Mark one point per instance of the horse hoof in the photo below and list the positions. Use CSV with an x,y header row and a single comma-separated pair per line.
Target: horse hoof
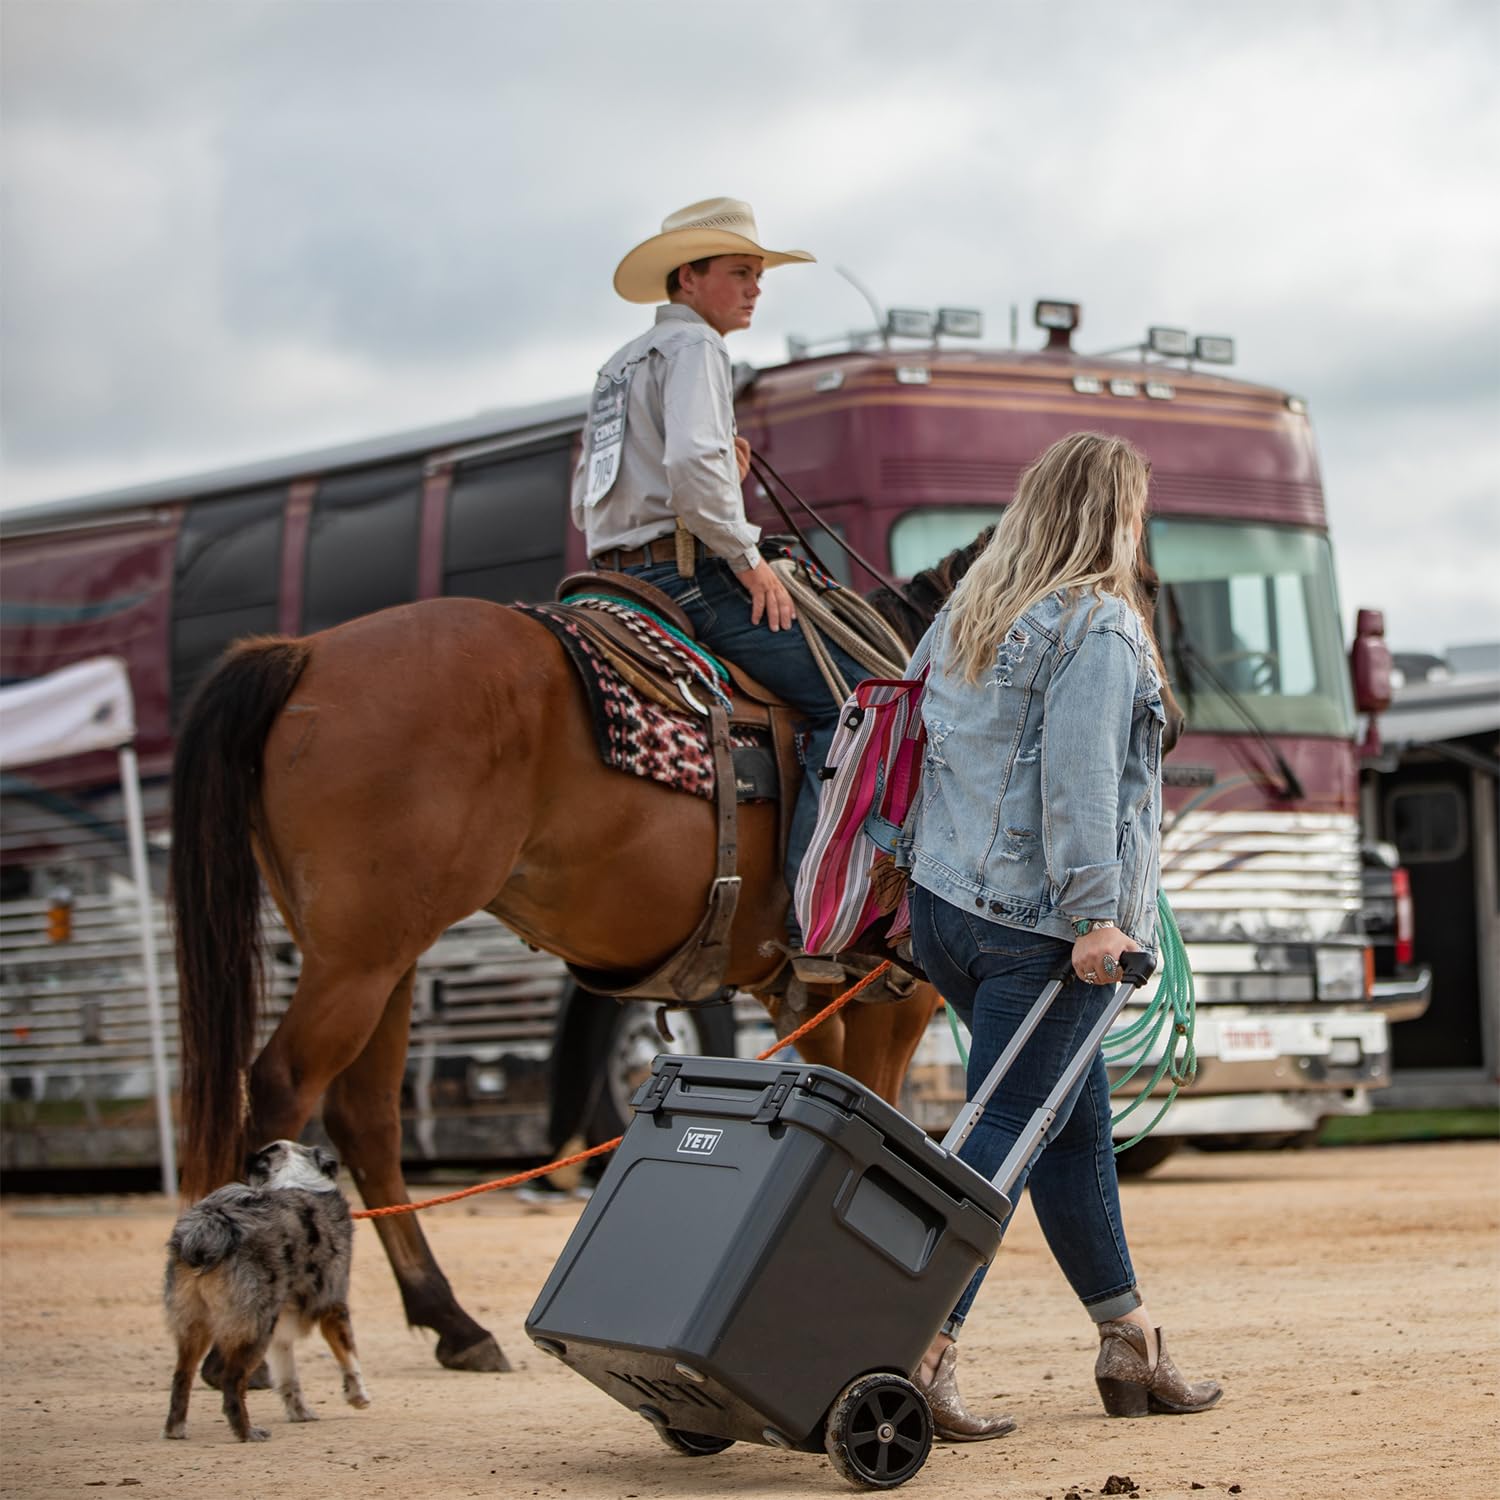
x,y
485,1356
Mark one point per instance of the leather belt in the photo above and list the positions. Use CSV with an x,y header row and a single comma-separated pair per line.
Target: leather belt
x,y
658,550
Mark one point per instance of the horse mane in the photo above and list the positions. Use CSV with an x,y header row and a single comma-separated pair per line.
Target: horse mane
x,y
915,607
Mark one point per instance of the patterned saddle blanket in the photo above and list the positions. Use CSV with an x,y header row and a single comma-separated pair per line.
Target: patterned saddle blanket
x,y
634,674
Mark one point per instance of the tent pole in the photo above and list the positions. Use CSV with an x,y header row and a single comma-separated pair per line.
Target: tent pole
x,y
135,823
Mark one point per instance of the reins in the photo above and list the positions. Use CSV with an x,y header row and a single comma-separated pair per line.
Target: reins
x,y
766,474
567,1161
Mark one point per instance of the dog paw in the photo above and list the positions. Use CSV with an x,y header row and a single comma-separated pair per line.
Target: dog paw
x,y
302,1414
256,1435
174,1430
355,1393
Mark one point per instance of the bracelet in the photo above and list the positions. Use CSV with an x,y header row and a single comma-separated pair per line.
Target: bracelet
x,y
1086,925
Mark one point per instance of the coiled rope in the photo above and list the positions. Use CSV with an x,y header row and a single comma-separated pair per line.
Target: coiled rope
x,y
1174,1004
826,609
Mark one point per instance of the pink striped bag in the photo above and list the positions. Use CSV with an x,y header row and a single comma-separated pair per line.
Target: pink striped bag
x,y
869,784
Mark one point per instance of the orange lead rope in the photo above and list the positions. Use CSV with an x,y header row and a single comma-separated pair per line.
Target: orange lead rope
x,y
608,1146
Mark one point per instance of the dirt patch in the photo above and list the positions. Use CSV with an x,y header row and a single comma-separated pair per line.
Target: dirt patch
x,y
1346,1299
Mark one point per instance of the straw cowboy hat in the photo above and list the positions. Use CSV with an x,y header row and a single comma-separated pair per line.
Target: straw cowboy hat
x,y
717,226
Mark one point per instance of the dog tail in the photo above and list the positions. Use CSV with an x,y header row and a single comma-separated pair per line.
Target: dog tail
x,y
209,1232
216,801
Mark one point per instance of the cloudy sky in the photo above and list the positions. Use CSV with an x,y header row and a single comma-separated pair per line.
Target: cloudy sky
x,y
240,229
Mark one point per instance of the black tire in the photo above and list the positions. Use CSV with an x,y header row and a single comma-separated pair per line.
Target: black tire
x,y
1145,1156
879,1432
692,1444
628,1043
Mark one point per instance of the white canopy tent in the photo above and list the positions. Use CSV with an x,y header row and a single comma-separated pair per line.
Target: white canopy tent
x,y
85,707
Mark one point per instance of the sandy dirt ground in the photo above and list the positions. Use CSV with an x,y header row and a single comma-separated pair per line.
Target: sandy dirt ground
x,y
1346,1298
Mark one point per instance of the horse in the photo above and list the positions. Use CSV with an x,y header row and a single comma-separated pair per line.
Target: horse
x,y
384,779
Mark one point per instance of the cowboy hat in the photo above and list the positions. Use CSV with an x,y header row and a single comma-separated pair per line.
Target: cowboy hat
x,y
716,226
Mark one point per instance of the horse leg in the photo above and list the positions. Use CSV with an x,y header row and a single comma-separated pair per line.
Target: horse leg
x,y
879,1041
362,1113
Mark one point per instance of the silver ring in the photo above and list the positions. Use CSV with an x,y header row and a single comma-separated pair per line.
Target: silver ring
x,y
1090,977
1110,966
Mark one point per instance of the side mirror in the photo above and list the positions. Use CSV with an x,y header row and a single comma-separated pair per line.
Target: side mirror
x,y
1370,663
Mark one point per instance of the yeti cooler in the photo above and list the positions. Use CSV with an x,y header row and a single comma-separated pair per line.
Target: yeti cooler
x,y
765,1234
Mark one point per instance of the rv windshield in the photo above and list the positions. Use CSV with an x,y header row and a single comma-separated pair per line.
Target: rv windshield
x,y
1251,612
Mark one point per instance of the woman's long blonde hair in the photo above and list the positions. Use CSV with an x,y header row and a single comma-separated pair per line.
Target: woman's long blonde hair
x,y
1071,526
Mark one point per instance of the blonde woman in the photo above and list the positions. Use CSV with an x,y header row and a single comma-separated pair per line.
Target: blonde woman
x,y
1037,834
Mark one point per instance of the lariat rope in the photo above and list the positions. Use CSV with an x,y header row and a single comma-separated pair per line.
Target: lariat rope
x,y
608,1146
1131,1047
826,611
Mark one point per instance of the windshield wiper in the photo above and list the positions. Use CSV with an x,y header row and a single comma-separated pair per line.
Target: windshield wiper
x,y
1189,661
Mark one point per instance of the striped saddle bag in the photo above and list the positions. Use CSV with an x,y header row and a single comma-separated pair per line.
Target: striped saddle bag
x,y
848,878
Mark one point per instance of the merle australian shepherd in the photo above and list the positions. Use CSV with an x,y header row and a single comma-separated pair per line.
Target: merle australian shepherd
x,y
255,1266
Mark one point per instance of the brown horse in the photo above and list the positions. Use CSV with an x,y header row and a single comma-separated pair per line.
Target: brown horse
x,y
387,778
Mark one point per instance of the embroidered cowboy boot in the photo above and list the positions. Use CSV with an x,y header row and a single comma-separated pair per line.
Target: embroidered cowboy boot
x,y
1130,1386
951,1419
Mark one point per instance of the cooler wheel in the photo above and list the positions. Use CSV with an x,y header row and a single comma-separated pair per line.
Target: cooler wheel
x,y
693,1444
879,1431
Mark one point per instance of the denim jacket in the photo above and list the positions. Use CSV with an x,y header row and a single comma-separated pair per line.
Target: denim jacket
x,y
1041,788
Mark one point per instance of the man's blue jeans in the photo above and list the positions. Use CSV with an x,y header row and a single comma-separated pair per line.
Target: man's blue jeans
x,y
719,608
990,974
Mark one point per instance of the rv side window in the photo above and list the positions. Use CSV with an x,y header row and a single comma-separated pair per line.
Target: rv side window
x,y
507,521
1427,823
226,580
362,544
921,538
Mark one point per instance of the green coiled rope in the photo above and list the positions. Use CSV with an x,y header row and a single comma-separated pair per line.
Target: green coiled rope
x,y
1168,1014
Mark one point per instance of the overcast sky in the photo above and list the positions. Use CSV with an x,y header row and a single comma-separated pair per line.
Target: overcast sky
x,y
238,229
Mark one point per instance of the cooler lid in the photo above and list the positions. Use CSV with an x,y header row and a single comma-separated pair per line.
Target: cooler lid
x,y
729,1076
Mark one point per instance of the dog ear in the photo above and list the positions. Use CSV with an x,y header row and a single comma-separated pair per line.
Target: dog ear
x,y
327,1163
256,1167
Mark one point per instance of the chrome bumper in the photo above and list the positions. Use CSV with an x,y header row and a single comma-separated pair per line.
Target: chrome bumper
x,y
1403,999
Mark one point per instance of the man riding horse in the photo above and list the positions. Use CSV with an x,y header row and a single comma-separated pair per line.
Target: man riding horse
x,y
657,489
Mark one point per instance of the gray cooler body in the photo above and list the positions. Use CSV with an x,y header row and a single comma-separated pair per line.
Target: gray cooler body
x,y
765,1234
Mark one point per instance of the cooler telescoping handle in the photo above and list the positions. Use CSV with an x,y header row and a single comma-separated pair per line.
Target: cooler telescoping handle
x,y
1136,968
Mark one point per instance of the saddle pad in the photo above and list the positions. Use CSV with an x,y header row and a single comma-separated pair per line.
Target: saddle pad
x,y
642,738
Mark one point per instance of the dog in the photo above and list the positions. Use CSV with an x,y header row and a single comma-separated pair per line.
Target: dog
x,y
253,1267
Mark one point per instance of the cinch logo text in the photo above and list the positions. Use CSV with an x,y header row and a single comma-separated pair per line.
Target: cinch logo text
x,y
699,1142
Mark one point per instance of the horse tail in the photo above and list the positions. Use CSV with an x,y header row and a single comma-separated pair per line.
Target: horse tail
x,y
216,802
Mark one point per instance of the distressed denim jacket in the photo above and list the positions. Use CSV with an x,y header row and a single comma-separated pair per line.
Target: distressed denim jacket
x,y
1041,789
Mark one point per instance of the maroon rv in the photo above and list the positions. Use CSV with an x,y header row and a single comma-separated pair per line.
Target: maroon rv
x,y
907,452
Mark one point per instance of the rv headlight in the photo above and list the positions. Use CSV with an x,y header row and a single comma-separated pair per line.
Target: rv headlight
x,y
909,323
486,1080
1341,973
1172,342
1210,349
1063,315
961,322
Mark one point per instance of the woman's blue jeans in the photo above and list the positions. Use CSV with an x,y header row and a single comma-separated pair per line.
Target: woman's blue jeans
x,y
719,608
991,974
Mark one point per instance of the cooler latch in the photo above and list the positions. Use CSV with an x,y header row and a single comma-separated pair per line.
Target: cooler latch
x,y
775,1096
654,1092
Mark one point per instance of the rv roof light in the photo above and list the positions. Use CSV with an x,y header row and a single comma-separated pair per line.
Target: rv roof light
x,y
1059,315
1118,387
910,323
961,322
828,380
913,375
1173,342
1159,390
1296,405
1087,385
1211,349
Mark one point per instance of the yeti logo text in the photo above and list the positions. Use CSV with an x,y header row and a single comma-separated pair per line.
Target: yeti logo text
x,y
699,1142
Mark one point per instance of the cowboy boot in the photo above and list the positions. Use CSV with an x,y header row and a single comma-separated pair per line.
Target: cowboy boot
x,y
951,1419
1130,1386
